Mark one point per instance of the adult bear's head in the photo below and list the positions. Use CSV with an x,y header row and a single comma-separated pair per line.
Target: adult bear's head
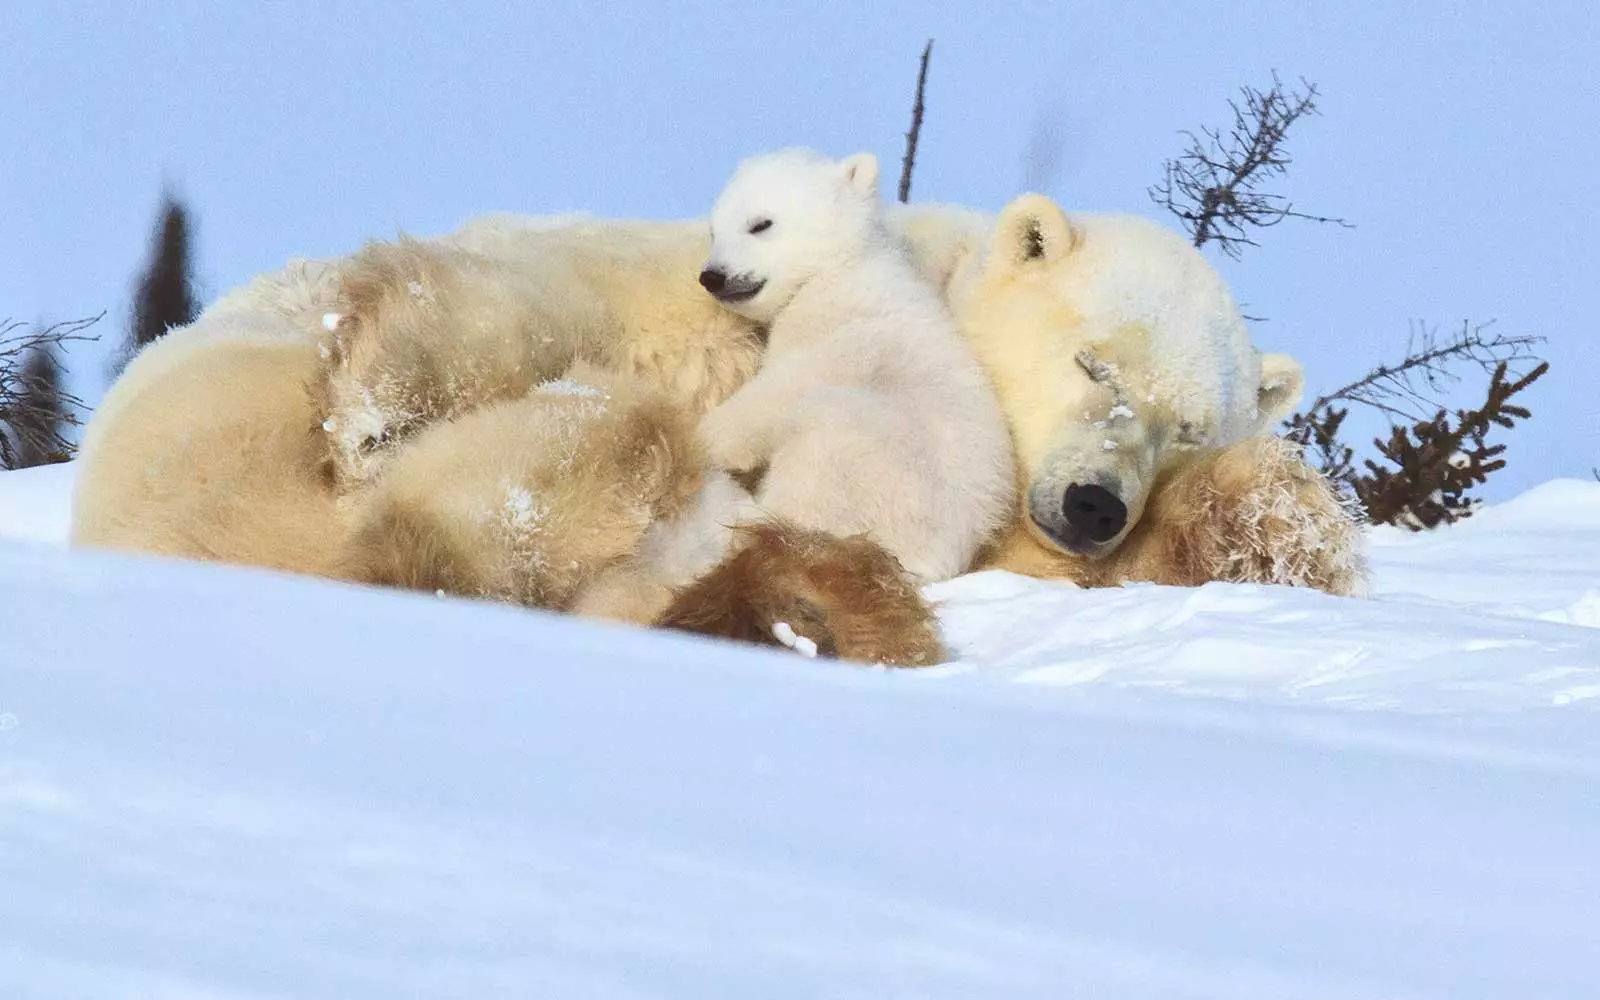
x,y
1116,350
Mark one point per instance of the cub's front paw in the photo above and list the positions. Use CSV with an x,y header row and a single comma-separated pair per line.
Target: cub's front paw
x,y
727,445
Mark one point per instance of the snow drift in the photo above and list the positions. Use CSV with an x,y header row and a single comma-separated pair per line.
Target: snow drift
x,y
225,782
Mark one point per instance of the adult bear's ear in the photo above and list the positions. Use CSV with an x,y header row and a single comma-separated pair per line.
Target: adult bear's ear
x,y
1031,230
1282,382
861,172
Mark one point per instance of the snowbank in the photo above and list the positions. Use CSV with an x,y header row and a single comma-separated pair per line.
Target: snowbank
x,y
36,504
225,782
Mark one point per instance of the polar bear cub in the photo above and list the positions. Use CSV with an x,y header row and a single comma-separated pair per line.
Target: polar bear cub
x,y
869,412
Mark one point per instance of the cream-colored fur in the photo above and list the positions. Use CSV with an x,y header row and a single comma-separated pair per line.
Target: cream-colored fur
x,y
248,483
427,330
211,443
533,500
869,414
219,441
674,553
1120,360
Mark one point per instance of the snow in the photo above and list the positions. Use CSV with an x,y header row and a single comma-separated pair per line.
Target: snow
x,y
569,387
226,782
36,504
1477,617
785,633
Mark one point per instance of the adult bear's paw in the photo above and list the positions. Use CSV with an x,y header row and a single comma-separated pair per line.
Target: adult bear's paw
x,y
1257,513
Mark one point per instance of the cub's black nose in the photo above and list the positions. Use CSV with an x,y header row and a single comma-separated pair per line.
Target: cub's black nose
x,y
1095,511
712,280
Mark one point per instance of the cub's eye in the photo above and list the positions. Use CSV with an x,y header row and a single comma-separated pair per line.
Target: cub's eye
x,y
760,227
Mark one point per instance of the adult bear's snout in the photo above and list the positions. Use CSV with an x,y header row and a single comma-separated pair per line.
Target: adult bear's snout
x,y
1094,512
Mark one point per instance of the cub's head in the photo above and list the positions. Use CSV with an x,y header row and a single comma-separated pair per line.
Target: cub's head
x,y
1118,355
781,219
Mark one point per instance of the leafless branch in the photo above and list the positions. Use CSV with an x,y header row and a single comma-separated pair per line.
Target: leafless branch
x,y
909,161
1411,389
1214,187
34,410
1431,460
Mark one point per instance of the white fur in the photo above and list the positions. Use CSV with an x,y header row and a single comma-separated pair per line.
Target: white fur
x,y
680,551
1116,349
869,411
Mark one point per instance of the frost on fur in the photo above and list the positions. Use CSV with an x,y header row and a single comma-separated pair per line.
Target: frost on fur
x,y
567,387
1257,513
528,501
425,333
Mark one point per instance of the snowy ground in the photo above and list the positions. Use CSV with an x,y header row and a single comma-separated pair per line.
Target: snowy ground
x,y
220,782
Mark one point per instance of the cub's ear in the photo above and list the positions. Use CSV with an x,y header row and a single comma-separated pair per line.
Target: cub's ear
x,y
1032,229
1282,382
861,172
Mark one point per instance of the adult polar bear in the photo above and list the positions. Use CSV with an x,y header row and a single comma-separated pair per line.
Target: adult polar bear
x,y
211,445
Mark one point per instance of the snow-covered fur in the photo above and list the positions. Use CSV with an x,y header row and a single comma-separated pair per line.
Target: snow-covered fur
x,y
427,330
254,434
1254,512
590,479
869,414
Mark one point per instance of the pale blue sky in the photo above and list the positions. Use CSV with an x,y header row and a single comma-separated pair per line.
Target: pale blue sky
x,y
1461,138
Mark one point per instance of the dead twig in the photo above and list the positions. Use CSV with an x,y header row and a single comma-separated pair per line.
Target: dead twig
x,y
909,161
1215,186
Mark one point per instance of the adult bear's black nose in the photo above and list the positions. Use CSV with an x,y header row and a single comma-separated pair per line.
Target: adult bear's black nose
x,y
1095,511
712,280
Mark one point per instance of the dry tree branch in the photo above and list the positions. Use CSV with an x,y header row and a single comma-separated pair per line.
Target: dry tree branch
x,y
1435,462
909,161
1432,460
1410,389
34,410
1214,186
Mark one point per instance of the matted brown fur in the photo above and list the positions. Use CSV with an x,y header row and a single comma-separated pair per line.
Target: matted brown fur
x,y
1251,513
847,595
528,500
